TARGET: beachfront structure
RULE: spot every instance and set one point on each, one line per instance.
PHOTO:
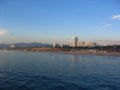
(12, 46)
(86, 44)
(91, 44)
(56, 45)
(81, 44)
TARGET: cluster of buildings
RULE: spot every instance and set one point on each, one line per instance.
(76, 43)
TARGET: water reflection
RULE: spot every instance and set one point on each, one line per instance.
(75, 60)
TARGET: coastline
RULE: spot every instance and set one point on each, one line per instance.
(86, 53)
(75, 52)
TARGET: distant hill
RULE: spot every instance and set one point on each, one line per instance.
(34, 44)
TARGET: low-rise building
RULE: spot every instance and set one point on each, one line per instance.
(56, 45)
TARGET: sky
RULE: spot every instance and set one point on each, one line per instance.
(49, 21)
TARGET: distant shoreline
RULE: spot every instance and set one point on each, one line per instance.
(86, 53)
(94, 52)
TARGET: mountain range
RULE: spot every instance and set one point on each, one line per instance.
(33, 44)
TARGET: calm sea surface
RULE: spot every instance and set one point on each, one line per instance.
(50, 71)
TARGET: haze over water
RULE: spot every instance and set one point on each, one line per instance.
(50, 71)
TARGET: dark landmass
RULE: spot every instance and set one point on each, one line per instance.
(33, 44)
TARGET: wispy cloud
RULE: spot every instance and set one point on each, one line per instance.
(107, 25)
(3, 32)
(104, 27)
(116, 17)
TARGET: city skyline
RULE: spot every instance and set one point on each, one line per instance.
(51, 21)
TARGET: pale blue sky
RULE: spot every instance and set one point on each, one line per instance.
(58, 20)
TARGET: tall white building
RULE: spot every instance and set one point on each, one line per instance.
(74, 42)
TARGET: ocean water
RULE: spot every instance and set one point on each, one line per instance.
(50, 71)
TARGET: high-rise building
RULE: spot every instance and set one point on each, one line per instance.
(74, 42)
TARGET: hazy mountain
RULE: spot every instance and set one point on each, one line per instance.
(34, 44)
